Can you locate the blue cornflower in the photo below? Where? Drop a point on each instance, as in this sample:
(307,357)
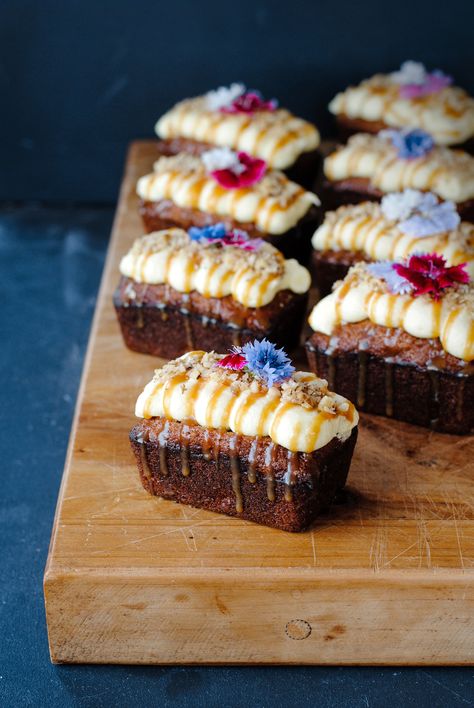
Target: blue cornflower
(268,363)
(411,144)
(211,232)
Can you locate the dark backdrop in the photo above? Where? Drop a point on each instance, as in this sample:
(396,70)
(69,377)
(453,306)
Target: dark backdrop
(81,78)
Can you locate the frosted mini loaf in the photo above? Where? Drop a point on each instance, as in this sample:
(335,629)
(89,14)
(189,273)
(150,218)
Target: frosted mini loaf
(412,98)
(242,121)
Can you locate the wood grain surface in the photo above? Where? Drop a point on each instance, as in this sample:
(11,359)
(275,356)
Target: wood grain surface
(385,578)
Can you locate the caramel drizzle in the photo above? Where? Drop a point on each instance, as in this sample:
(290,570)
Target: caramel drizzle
(191,187)
(278,129)
(442,325)
(142,439)
(234,465)
(388,168)
(369,230)
(229,281)
(390,95)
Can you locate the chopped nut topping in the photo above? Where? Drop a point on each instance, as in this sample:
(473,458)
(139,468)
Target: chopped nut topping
(301,389)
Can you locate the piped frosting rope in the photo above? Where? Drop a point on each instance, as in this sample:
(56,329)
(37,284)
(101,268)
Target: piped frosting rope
(252,271)
(223,118)
(299,414)
(274,204)
(366,228)
(445,111)
(363,295)
(448,173)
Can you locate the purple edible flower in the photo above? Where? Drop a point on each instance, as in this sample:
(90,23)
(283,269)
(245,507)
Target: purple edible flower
(385,270)
(266,362)
(410,144)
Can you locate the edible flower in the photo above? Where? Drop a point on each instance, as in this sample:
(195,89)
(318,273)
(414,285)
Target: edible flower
(235,360)
(428,274)
(420,213)
(420,274)
(396,283)
(233,170)
(250,102)
(409,144)
(219,234)
(262,359)
(223,96)
(237,99)
(416,82)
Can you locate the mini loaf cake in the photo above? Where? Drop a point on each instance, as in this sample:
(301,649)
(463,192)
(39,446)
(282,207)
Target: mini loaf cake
(404,223)
(409,98)
(239,119)
(234,188)
(398,337)
(370,166)
(244,435)
(209,289)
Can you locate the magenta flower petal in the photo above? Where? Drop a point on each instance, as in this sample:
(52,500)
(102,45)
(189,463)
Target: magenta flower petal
(254,170)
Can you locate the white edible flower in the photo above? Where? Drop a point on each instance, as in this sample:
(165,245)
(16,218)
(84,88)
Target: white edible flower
(400,205)
(223,96)
(411,72)
(222,158)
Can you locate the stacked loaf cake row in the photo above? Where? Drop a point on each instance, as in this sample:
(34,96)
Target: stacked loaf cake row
(234,237)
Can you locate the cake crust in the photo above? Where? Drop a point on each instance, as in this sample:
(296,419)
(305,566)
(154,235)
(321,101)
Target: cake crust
(247,477)
(389,372)
(161,321)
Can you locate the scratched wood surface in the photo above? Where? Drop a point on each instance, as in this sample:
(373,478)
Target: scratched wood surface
(385,577)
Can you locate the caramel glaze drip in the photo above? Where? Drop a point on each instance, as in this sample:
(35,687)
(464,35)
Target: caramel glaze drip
(251,461)
(288,478)
(434,378)
(142,440)
(162,440)
(388,389)
(362,379)
(269,454)
(184,445)
(234,465)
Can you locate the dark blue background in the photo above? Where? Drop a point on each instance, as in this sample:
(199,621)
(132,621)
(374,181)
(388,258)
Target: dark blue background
(81,78)
(78,80)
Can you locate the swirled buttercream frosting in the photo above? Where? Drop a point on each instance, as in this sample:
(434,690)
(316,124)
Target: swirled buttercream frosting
(276,136)
(363,296)
(449,173)
(447,112)
(274,204)
(251,277)
(364,228)
(300,414)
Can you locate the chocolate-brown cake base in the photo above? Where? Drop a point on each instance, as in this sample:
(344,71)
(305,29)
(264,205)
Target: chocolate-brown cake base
(350,126)
(329,266)
(388,372)
(295,243)
(237,475)
(304,171)
(158,320)
(355,190)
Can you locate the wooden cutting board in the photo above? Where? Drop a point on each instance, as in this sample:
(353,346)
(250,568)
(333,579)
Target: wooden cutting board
(385,578)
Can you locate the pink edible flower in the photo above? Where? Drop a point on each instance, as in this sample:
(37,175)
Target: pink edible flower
(429,275)
(434,82)
(252,172)
(235,360)
(249,102)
